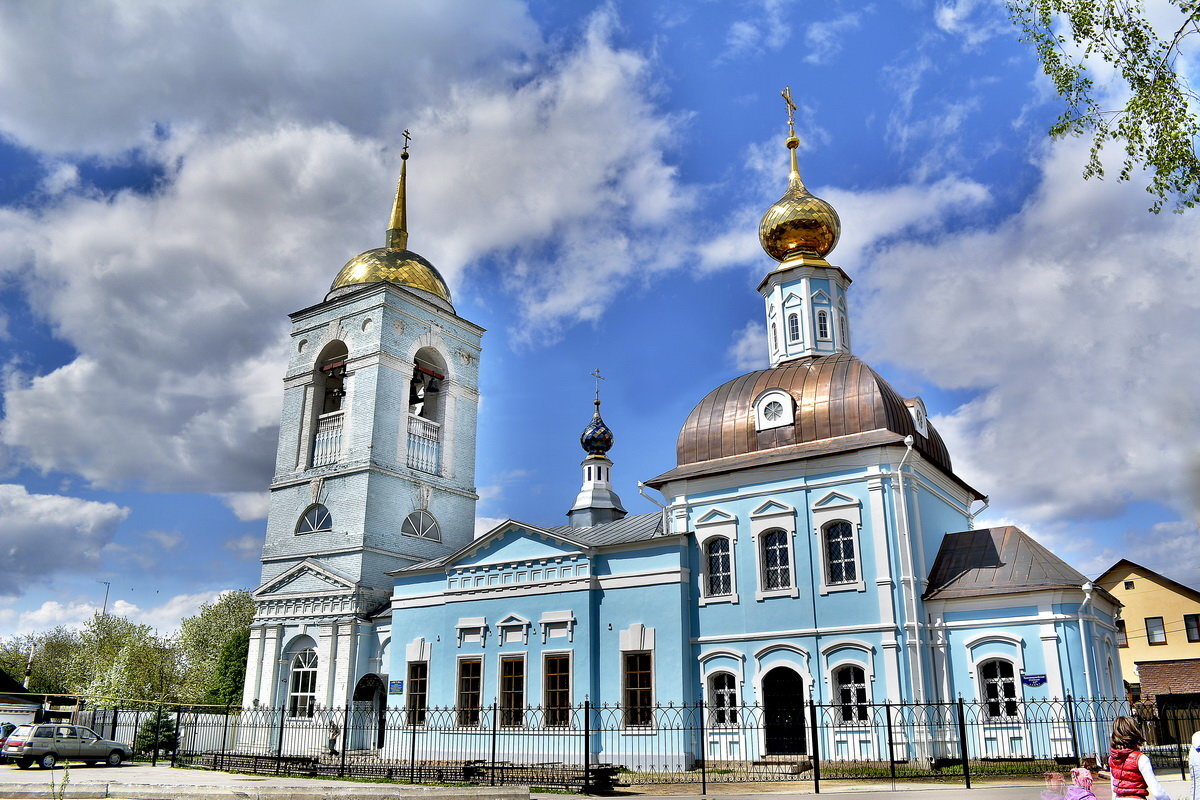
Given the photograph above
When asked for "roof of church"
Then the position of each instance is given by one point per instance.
(835, 395)
(998, 561)
(637, 528)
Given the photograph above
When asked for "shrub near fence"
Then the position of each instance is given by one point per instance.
(590, 747)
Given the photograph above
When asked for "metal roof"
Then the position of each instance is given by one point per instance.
(636, 528)
(997, 561)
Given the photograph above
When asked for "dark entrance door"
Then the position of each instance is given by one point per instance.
(783, 712)
(369, 693)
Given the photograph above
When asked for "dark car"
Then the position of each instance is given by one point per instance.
(49, 744)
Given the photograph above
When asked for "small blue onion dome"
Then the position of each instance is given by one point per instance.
(597, 438)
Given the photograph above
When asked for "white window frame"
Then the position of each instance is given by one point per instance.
(717, 523)
(773, 515)
(638, 638)
(785, 399)
(838, 507)
(458, 684)
(828, 335)
(523, 657)
(570, 656)
(1018, 694)
(920, 416)
(313, 668)
(710, 700)
(835, 699)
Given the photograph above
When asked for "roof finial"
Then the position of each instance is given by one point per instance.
(792, 141)
(596, 374)
(397, 235)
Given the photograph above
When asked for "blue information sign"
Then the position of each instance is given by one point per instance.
(395, 687)
(1033, 680)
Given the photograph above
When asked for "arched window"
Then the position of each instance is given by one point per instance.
(822, 325)
(315, 518)
(722, 698)
(842, 328)
(793, 323)
(840, 565)
(999, 688)
(719, 573)
(425, 388)
(850, 688)
(422, 525)
(302, 684)
(329, 393)
(776, 572)
(774, 336)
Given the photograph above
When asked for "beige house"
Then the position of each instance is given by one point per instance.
(1159, 635)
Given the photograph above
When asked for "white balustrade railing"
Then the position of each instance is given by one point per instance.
(327, 443)
(424, 444)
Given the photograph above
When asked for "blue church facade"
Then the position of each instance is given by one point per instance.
(814, 544)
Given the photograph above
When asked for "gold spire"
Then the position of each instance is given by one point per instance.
(800, 226)
(397, 235)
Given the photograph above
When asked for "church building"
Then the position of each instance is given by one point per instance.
(814, 542)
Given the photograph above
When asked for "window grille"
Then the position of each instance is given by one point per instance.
(722, 692)
(719, 578)
(999, 689)
(851, 690)
(776, 574)
(840, 566)
(302, 687)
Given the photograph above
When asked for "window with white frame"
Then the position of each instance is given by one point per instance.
(470, 691)
(556, 681)
(638, 682)
(776, 562)
(718, 572)
(774, 336)
(722, 699)
(793, 326)
(822, 324)
(422, 525)
(841, 566)
(850, 689)
(512, 691)
(417, 691)
(842, 327)
(302, 684)
(315, 518)
(998, 679)
(774, 409)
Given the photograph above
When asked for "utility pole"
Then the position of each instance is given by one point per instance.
(104, 609)
(29, 666)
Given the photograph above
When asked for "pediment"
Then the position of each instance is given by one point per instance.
(513, 621)
(716, 516)
(793, 299)
(307, 577)
(514, 542)
(771, 508)
(819, 296)
(836, 499)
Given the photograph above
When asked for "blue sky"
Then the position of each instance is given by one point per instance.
(176, 178)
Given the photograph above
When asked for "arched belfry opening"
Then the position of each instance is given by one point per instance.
(329, 398)
(427, 411)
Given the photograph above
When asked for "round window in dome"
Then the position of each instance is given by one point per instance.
(422, 525)
(773, 410)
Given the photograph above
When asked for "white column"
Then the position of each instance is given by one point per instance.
(254, 666)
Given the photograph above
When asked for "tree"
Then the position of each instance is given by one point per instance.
(203, 640)
(1155, 125)
(51, 651)
(230, 677)
(159, 732)
(120, 660)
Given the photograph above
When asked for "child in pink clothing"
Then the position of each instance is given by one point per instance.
(1081, 789)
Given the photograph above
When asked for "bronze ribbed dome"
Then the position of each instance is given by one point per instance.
(835, 395)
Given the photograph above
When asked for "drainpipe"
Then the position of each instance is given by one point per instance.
(907, 555)
(665, 519)
(1087, 661)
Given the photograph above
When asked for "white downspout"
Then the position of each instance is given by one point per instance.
(1085, 645)
(906, 554)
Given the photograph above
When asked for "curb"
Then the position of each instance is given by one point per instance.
(124, 791)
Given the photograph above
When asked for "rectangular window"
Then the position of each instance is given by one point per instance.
(639, 690)
(418, 692)
(1191, 624)
(1155, 632)
(512, 691)
(556, 677)
(470, 690)
(1122, 639)
(1128, 584)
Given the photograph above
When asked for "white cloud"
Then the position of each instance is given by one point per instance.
(823, 39)
(167, 540)
(972, 21)
(175, 300)
(1075, 320)
(485, 524)
(246, 547)
(248, 506)
(749, 348)
(164, 617)
(42, 534)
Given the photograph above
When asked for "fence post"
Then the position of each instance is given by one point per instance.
(963, 752)
(704, 748)
(1071, 722)
(887, 709)
(157, 721)
(495, 733)
(587, 745)
(412, 743)
(345, 739)
(178, 735)
(224, 739)
(279, 746)
(816, 747)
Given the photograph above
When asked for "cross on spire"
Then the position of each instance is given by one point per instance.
(596, 374)
(407, 137)
(791, 108)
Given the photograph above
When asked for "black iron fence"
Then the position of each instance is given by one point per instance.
(592, 747)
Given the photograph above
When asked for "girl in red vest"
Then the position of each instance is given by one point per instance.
(1132, 773)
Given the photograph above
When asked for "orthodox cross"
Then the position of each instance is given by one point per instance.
(596, 374)
(791, 108)
(407, 136)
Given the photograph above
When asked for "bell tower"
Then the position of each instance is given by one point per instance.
(375, 467)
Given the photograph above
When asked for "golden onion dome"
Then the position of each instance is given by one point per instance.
(394, 263)
(799, 224)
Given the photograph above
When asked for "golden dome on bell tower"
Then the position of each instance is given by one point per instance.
(800, 225)
(394, 263)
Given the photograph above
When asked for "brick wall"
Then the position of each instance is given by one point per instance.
(1181, 676)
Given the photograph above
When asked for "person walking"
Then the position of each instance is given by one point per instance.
(1132, 772)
